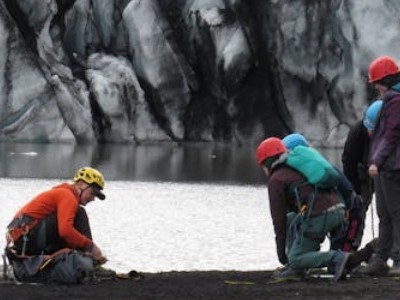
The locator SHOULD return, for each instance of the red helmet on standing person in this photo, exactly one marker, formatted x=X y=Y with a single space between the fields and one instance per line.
x=381 y=67
x=269 y=148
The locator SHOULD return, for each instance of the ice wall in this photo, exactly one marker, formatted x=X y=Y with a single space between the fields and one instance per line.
x=125 y=71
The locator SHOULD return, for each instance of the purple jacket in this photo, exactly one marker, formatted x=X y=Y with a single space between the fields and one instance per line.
x=385 y=141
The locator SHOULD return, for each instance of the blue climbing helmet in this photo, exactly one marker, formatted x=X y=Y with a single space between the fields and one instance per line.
x=293 y=140
x=372 y=114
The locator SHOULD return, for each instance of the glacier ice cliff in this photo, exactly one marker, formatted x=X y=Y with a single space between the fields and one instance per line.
x=236 y=71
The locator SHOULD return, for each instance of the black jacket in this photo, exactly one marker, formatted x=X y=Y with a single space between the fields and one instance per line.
x=355 y=156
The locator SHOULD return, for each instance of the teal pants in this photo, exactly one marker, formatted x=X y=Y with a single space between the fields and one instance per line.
x=305 y=236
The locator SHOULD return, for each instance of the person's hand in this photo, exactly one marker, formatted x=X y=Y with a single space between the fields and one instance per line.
x=282 y=258
x=98 y=256
x=373 y=170
x=100 y=261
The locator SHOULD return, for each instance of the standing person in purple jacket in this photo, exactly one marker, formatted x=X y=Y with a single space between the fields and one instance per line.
x=384 y=161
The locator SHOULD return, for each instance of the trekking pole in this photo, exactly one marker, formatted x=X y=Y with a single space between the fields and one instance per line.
x=372 y=221
x=372 y=208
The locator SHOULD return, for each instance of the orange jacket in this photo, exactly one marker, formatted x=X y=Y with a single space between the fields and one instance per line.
x=62 y=199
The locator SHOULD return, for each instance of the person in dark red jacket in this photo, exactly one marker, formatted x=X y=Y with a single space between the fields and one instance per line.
x=384 y=162
x=56 y=218
x=299 y=232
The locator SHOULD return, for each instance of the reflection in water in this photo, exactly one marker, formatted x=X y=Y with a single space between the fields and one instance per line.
x=200 y=162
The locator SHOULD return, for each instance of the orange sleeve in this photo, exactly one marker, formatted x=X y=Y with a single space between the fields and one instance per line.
x=67 y=207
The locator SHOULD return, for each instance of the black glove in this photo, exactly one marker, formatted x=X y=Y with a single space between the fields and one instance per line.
x=282 y=257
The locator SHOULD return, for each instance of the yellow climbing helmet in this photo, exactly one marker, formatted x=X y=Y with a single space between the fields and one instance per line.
x=92 y=177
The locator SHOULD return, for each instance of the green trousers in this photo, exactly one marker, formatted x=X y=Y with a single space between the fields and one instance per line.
x=305 y=236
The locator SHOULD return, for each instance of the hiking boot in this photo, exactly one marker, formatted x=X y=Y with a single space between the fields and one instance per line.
x=376 y=267
x=287 y=273
x=279 y=270
x=339 y=262
x=372 y=244
x=360 y=256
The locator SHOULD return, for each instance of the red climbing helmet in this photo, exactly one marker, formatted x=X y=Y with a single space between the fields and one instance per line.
x=268 y=148
x=381 y=67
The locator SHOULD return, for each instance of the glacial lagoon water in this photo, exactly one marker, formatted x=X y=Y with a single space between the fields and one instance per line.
x=166 y=209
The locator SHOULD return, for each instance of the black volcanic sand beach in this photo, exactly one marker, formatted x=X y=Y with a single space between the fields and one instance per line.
x=211 y=285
